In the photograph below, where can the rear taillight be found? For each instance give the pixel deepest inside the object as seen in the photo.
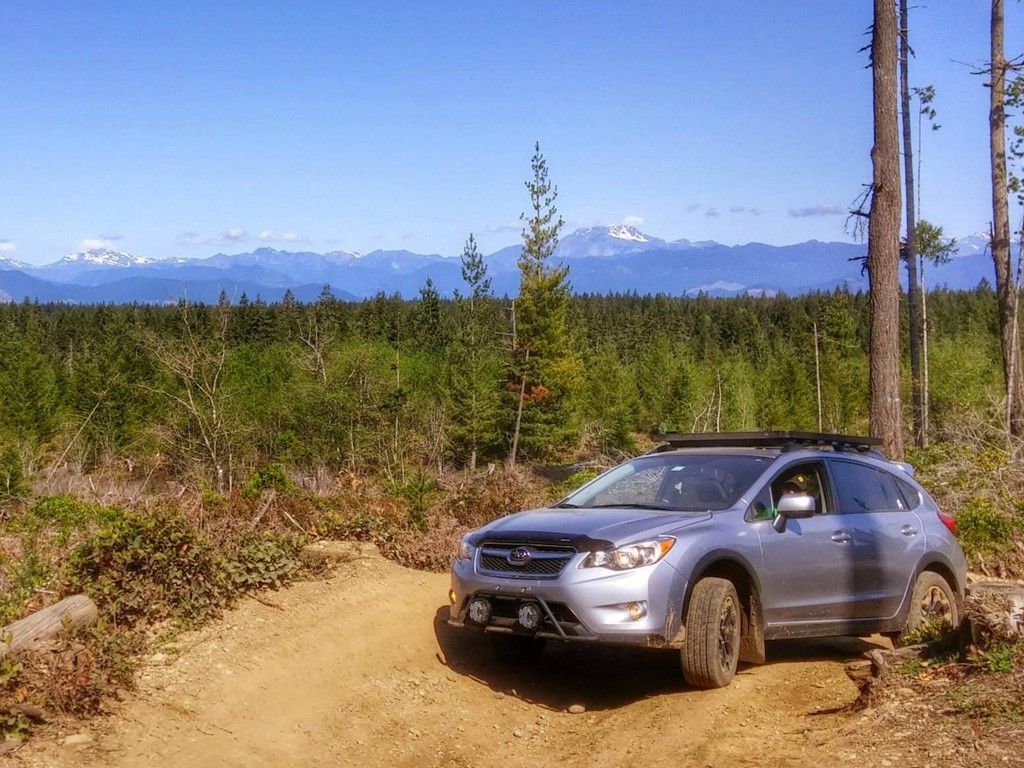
(949, 521)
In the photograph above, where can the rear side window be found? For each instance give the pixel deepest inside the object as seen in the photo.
(911, 495)
(861, 488)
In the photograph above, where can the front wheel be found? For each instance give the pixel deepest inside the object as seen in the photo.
(932, 602)
(711, 650)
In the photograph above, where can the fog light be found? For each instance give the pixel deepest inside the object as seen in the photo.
(479, 610)
(636, 611)
(529, 615)
(451, 596)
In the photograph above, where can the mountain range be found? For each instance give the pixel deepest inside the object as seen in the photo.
(606, 259)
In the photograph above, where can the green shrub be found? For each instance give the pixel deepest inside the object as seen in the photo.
(1000, 658)
(150, 567)
(417, 492)
(984, 530)
(270, 477)
(267, 562)
(65, 515)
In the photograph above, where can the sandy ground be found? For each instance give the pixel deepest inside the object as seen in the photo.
(360, 669)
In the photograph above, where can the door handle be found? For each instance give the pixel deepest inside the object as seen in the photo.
(840, 537)
(908, 530)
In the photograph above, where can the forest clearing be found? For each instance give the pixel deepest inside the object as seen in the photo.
(266, 508)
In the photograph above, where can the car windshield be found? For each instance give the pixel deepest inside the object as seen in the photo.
(676, 482)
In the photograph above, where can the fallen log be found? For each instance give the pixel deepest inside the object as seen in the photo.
(70, 613)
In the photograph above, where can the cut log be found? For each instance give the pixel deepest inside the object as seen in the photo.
(995, 610)
(70, 613)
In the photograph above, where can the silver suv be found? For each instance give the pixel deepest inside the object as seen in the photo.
(714, 544)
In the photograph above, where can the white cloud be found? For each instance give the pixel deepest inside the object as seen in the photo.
(499, 229)
(822, 209)
(633, 220)
(232, 235)
(6, 246)
(96, 243)
(270, 236)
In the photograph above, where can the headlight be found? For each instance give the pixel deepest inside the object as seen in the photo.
(631, 555)
(465, 551)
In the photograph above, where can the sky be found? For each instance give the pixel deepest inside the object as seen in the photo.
(187, 128)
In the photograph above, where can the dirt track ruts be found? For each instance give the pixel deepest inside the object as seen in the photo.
(360, 669)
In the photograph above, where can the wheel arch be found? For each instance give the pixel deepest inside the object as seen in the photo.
(940, 564)
(737, 569)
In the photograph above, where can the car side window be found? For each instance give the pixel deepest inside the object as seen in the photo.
(861, 488)
(911, 496)
(801, 478)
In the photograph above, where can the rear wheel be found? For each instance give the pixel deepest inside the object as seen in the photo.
(711, 650)
(933, 601)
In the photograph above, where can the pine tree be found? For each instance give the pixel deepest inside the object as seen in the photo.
(474, 368)
(547, 369)
(429, 330)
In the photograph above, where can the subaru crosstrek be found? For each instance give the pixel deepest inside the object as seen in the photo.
(714, 544)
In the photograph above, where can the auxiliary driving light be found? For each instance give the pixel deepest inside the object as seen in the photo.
(529, 615)
(637, 610)
(479, 610)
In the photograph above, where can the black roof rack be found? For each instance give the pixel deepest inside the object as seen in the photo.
(783, 440)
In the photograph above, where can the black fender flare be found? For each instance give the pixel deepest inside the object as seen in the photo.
(752, 643)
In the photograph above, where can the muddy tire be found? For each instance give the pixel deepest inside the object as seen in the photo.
(712, 647)
(521, 648)
(932, 598)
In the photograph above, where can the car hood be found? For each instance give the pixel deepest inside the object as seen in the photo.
(585, 529)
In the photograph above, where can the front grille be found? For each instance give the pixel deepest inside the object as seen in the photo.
(545, 562)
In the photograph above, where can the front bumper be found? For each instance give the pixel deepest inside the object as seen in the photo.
(586, 604)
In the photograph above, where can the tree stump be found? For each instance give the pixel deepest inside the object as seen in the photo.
(70, 613)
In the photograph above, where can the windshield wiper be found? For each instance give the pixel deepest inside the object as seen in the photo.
(566, 505)
(628, 506)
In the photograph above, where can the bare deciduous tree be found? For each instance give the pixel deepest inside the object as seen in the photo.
(196, 362)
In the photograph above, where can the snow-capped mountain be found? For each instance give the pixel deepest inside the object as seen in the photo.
(618, 258)
(973, 245)
(106, 257)
(74, 265)
(8, 263)
(602, 242)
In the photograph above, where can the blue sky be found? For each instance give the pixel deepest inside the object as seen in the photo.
(183, 129)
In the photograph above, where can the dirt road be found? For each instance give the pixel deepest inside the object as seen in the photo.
(361, 670)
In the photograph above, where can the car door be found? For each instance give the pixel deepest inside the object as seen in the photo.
(885, 536)
(807, 568)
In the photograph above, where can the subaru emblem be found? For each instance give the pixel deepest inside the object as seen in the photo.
(519, 556)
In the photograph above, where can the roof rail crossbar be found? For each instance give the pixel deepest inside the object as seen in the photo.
(785, 440)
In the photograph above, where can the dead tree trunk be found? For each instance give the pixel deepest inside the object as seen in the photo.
(910, 253)
(884, 235)
(1006, 289)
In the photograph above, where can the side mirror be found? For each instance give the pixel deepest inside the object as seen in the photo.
(794, 506)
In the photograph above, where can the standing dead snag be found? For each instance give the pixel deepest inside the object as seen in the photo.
(884, 235)
(914, 292)
(1006, 284)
